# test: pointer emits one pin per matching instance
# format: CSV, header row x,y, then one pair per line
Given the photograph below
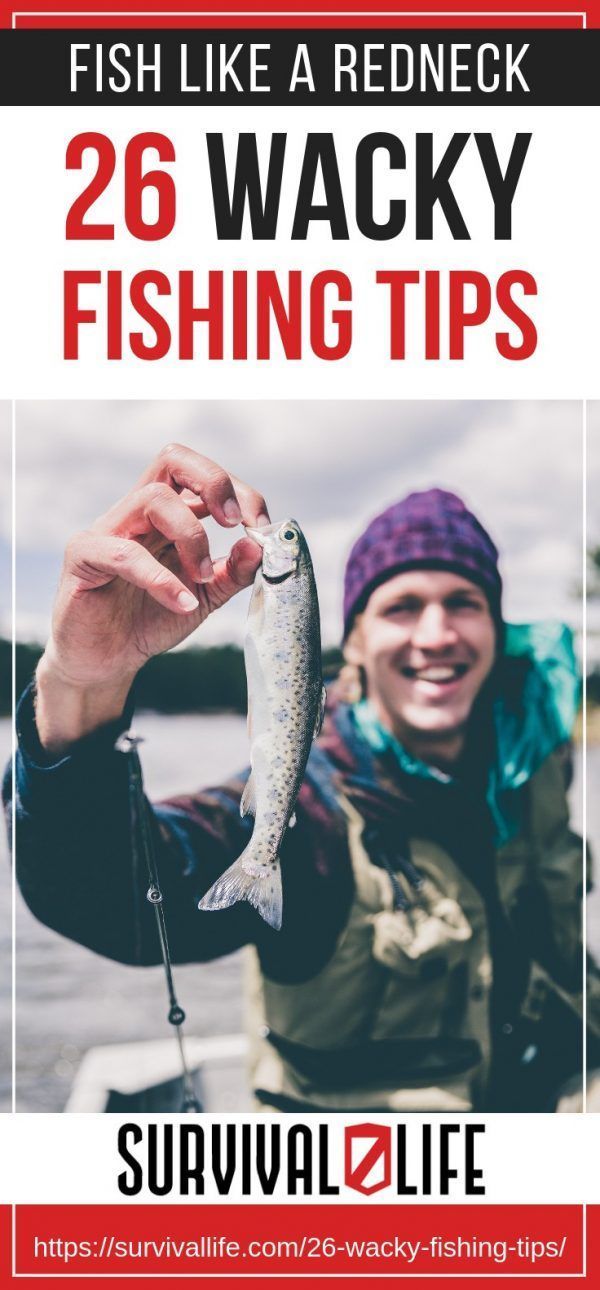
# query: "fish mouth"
x,y
275,578
259,535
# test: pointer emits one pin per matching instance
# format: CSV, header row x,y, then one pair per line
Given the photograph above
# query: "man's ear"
x,y
353,645
351,682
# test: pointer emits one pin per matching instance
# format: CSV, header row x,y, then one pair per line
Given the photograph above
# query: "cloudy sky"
x,y
5,517
332,466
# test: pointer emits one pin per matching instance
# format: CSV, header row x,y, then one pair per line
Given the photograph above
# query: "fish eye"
x,y
288,535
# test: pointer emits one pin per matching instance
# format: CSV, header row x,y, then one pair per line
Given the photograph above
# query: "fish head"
x,y
283,546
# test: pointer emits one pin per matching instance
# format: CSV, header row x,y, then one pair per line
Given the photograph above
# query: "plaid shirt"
x,y
74,848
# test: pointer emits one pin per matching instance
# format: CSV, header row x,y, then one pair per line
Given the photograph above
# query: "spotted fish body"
x,y
285,711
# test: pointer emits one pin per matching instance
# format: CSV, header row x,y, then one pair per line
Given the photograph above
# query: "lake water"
x,y
69,999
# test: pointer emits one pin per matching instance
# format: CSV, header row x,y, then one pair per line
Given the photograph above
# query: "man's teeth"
x,y
438,673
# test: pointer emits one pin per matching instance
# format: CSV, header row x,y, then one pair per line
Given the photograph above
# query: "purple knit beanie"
x,y
430,530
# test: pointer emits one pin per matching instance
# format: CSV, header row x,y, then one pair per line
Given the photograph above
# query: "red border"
x,y
577,1282
311,13
307,14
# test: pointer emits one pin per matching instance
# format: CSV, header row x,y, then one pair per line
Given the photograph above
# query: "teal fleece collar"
x,y
530,719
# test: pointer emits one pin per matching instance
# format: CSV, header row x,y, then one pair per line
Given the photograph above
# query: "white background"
x,y
535,1159
554,226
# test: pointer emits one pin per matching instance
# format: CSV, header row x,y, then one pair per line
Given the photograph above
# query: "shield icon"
x,y
367,1157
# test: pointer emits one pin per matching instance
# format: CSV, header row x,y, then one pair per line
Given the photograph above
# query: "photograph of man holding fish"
x,y
397,860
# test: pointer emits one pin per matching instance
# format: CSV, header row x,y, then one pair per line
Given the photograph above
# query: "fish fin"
x,y
321,713
248,802
261,888
292,821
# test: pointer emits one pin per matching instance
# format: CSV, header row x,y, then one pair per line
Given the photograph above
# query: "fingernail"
x,y
206,569
187,601
262,521
232,510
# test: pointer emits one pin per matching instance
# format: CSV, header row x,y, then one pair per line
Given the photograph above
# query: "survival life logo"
x,y
308,1159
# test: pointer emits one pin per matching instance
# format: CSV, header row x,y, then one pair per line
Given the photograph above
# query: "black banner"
x,y
282,67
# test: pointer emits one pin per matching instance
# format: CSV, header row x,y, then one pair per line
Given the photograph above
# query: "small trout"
x,y
286,700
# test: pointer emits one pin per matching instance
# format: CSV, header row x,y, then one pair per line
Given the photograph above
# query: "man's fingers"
x,y
229,500
177,522
157,507
94,559
233,572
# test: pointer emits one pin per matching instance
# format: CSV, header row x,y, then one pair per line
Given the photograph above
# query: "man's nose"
x,y
434,629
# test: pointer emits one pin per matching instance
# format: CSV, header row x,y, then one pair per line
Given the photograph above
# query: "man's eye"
x,y
404,608
464,602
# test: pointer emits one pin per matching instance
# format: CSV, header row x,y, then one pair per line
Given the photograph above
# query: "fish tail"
x,y
251,880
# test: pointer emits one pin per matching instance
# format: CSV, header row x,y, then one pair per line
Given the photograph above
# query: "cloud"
x,y
5,468
332,465
5,516
593,472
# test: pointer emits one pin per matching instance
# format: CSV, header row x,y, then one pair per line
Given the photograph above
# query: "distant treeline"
x,y
191,680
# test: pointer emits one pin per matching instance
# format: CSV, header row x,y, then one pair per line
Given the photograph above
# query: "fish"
x,y
286,704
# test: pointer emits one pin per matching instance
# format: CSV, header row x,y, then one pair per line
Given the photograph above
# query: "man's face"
x,y
426,641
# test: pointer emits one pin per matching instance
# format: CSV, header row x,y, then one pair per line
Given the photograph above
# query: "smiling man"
x,y
431,887
423,620
426,642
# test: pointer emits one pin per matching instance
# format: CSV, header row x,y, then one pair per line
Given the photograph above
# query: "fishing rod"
x,y
142,838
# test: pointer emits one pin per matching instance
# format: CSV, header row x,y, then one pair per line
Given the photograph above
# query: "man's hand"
x,y
137,583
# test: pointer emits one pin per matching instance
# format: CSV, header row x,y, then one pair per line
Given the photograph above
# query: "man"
x,y
431,887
